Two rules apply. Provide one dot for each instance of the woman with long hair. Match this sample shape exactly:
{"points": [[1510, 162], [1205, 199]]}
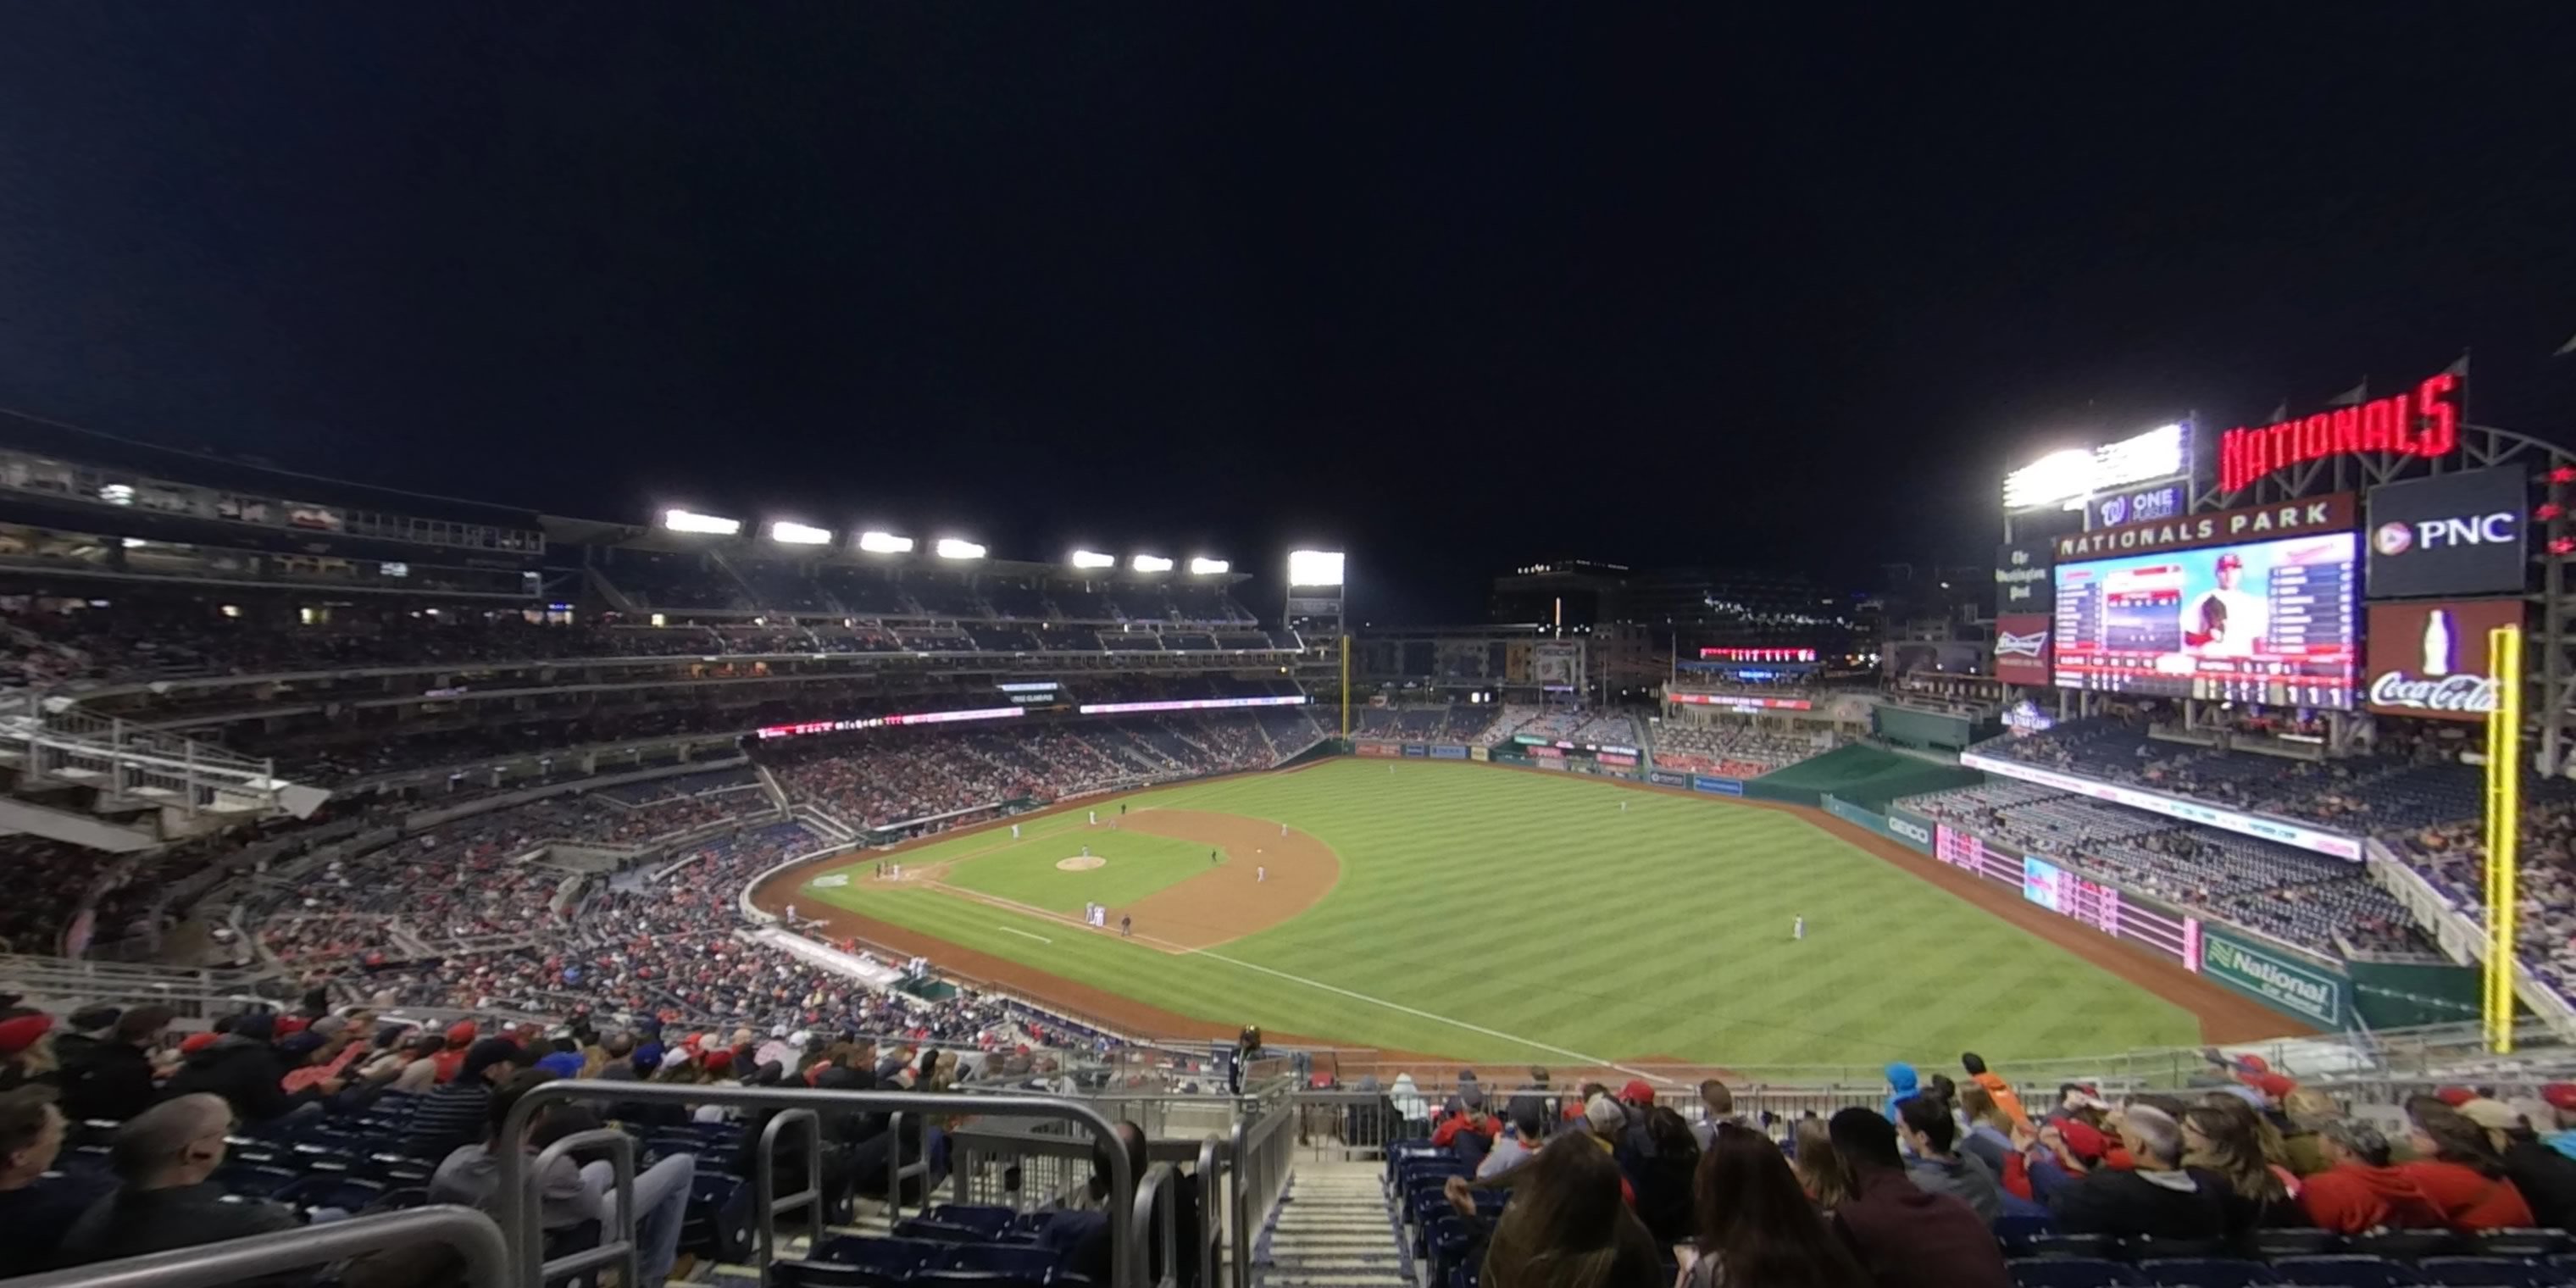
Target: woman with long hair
{"points": [[2221, 1142], [1756, 1226], [1567, 1226], [1819, 1169], [1664, 1178], [2459, 1169]]}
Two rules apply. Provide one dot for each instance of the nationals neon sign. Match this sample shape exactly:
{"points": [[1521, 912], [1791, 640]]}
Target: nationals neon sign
{"points": [[2425, 422]]}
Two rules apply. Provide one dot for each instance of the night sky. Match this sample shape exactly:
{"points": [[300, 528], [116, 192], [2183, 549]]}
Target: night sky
{"points": [[1453, 286]]}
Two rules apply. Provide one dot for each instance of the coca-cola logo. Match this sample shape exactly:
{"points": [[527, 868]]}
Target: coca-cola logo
{"points": [[2450, 693]]}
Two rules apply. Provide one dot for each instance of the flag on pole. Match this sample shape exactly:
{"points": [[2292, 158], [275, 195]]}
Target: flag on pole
{"points": [[2353, 397]]}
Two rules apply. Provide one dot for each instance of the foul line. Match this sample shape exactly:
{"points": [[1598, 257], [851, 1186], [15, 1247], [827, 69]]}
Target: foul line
{"points": [[1576, 1056], [1024, 934]]}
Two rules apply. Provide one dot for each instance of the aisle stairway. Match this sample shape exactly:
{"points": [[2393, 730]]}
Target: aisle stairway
{"points": [[1334, 1231]]}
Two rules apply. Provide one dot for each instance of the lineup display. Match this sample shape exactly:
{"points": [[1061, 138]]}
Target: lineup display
{"points": [[2268, 622]]}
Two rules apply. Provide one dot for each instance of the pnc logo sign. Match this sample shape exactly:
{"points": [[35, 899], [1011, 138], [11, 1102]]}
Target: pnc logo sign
{"points": [[2393, 539]]}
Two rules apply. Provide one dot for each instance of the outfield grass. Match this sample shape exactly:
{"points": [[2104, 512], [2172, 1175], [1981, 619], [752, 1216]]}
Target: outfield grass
{"points": [[1025, 871], [1500, 916]]}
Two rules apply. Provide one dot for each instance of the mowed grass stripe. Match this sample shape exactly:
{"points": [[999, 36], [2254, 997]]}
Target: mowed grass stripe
{"points": [[1535, 906]]}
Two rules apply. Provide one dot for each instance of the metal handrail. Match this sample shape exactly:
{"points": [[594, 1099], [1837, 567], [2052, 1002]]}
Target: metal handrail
{"points": [[768, 1203], [1212, 1164], [470, 1233], [1154, 1218], [518, 1226], [897, 1170], [616, 1243]]}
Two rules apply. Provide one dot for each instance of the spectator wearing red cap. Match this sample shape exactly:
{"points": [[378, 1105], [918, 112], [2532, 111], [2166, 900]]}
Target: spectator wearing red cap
{"points": [[25, 1056], [2561, 1099], [451, 1057], [243, 1067]]}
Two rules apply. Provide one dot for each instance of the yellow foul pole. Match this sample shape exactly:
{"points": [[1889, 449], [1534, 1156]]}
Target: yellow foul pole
{"points": [[1346, 686], [2504, 814]]}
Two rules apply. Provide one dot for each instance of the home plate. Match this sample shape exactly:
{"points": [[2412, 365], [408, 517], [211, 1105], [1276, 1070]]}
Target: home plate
{"points": [[1080, 863]]}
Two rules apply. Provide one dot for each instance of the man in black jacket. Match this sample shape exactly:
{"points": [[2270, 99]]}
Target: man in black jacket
{"points": [[164, 1198], [2158, 1198], [243, 1068], [2546, 1177], [113, 1079]]}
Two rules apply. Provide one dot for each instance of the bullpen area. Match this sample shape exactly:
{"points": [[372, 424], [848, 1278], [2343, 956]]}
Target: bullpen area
{"points": [[1490, 915]]}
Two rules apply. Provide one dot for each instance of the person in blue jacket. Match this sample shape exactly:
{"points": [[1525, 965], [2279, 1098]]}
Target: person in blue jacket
{"points": [[1902, 1085]]}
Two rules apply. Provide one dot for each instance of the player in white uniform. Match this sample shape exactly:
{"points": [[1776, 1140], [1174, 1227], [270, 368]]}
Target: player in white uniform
{"points": [[1798, 929], [1015, 831], [2226, 622], [1260, 875]]}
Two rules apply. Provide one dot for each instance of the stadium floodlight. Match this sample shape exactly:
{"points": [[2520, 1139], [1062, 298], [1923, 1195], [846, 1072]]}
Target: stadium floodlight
{"points": [[1314, 567], [1202, 566], [1150, 563], [1093, 559], [787, 532], [956, 548], [884, 543], [691, 521], [2076, 473]]}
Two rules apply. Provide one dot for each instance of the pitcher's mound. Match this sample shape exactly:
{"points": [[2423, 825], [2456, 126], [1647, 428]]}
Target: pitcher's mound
{"points": [[1081, 863]]}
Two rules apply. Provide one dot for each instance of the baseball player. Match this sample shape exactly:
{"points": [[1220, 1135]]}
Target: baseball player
{"points": [[1283, 829], [1211, 856], [1095, 818], [1623, 807], [1015, 831], [1260, 875], [1798, 929], [1126, 927]]}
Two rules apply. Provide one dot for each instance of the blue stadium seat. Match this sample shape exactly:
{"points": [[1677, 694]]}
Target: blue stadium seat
{"points": [[331, 1190], [1019, 1261], [2522, 1244], [2206, 1272], [2345, 1271], [2070, 1272], [2405, 1245], [2482, 1272], [2272, 1245], [2018, 1233], [719, 1220], [255, 1182], [988, 1222]]}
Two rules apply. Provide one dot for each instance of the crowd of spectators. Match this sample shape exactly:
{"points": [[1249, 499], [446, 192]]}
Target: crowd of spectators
{"points": [[896, 776], [1735, 749], [2307, 899], [119, 1136], [1456, 723], [1950, 1177], [168, 640]]}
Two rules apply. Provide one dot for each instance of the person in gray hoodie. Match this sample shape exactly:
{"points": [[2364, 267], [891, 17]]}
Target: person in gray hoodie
{"points": [[1935, 1164]]}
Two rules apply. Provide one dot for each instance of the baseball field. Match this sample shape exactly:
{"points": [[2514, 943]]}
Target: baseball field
{"points": [[1496, 915]]}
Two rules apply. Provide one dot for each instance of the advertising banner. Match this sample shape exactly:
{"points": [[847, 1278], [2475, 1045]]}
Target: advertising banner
{"points": [[2137, 505], [1743, 702], [1667, 778], [1367, 748], [1618, 759], [1478, 753], [1717, 786], [1506, 756], [2451, 534], [1913, 829], [2316, 839], [1416, 750], [2286, 984], [1850, 813], [1448, 753], [2429, 658], [2216, 528], [2022, 583], [1558, 763], [2021, 648], [1544, 752]]}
